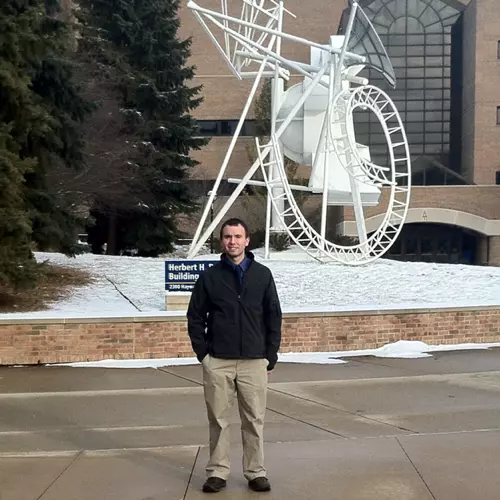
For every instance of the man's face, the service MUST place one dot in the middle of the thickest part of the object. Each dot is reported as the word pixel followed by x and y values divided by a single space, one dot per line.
pixel 234 241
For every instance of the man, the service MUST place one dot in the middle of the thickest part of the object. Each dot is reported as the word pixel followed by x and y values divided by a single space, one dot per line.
pixel 234 322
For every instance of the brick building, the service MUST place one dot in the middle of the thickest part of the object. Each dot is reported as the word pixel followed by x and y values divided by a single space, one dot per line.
pixel 446 56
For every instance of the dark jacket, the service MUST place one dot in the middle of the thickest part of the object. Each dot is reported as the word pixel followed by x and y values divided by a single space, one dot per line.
pixel 234 320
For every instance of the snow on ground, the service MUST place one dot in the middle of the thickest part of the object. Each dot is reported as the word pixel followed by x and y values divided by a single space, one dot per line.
pixel 401 349
pixel 134 285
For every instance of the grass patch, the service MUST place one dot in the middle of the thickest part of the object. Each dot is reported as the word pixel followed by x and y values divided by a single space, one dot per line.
pixel 54 284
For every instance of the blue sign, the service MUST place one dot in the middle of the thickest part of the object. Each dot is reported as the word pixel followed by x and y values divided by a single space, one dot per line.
pixel 181 275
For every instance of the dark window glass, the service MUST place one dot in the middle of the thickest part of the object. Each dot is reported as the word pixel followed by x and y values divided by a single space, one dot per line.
pixel 433 105
pixel 434 127
pixel 411 246
pixel 378 150
pixel 361 128
pixel 434 93
pixel 415 50
pixel 396 247
pixel 434 40
pixel 434 50
pixel 434 61
pixel 498 115
pixel 414 72
pixel 447 12
pixel 433 83
pixel 362 117
pixel 396 40
pixel 424 41
pixel 417 83
pixel 442 246
pixel 415 106
pixel 433 116
pixel 435 176
pixel 414 127
pixel 426 246
pixel 428 16
pixel 418 179
pixel 498 50
pixel 414 116
pixel 434 149
pixel 225 127
pixel 228 127
pixel 399 51
pixel 208 127
pixel 416 138
pixel 400 73
pixel 416 94
pixel 400 105
pixel 415 62
pixel 415 39
pixel 398 62
pixel 433 138
pixel 433 72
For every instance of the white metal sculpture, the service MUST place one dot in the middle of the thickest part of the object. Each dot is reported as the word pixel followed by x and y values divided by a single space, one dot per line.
pixel 312 123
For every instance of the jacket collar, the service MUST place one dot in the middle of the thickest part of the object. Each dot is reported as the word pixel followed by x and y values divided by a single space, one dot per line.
pixel 245 264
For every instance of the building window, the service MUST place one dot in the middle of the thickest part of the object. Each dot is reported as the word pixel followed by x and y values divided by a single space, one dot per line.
pixel 225 128
pixel 423 39
pixel 208 127
pixel 497 177
pixel 498 115
pixel 498 50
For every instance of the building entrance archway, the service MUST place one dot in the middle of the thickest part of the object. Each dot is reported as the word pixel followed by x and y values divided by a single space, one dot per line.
pixel 441 243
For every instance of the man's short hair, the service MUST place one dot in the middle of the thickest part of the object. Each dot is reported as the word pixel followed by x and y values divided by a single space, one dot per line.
pixel 234 221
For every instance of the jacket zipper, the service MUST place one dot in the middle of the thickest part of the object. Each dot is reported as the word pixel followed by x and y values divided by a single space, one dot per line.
pixel 241 327
pixel 240 291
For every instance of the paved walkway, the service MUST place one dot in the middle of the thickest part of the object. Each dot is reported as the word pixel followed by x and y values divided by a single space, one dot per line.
pixel 376 429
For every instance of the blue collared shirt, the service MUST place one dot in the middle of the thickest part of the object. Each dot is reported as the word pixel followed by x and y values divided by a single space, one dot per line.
pixel 239 268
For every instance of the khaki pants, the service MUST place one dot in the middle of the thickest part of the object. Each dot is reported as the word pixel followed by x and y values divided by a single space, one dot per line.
pixel 223 379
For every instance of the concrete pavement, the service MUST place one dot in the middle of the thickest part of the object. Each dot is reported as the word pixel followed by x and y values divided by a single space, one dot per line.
pixel 373 428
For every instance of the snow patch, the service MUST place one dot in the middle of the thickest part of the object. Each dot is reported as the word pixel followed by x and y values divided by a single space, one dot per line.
pixel 303 285
pixel 132 363
pixel 406 349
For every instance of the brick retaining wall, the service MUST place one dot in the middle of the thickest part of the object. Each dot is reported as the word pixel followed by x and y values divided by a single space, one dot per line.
pixel 71 339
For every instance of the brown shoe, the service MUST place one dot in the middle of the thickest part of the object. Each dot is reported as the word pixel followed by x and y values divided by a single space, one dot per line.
pixel 260 484
pixel 214 485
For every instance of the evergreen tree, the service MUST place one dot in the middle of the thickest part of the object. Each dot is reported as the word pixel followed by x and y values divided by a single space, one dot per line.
pixel 19 115
pixel 134 43
pixel 17 265
pixel 43 110
pixel 59 143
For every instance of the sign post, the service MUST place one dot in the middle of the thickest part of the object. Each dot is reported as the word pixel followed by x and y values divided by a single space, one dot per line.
pixel 180 278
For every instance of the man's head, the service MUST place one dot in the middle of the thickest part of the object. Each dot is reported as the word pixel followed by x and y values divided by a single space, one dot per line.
pixel 234 238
